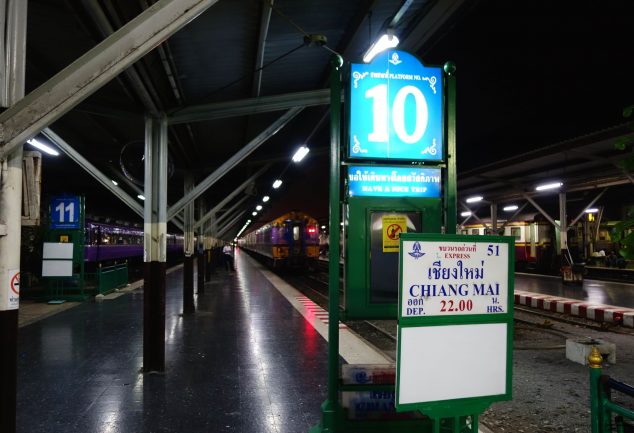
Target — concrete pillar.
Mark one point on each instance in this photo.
(200, 249)
(155, 248)
(188, 245)
(12, 56)
(563, 224)
(494, 218)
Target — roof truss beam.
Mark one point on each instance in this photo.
(97, 67)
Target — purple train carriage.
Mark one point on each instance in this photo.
(108, 242)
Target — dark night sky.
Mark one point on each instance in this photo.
(530, 74)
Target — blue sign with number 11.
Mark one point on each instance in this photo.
(65, 212)
(396, 109)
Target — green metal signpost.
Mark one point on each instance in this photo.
(400, 178)
(63, 265)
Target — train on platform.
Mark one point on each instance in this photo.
(290, 241)
(112, 242)
(533, 240)
(537, 242)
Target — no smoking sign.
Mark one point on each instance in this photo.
(10, 295)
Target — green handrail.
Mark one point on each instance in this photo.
(602, 408)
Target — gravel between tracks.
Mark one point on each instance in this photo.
(550, 393)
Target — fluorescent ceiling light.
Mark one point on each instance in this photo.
(591, 210)
(277, 183)
(511, 208)
(258, 207)
(43, 147)
(385, 42)
(254, 213)
(300, 154)
(474, 199)
(265, 198)
(114, 182)
(465, 214)
(140, 196)
(546, 186)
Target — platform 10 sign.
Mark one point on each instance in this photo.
(396, 109)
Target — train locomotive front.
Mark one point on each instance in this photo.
(289, 241)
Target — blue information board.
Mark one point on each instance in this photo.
(382, 181)
(396, 109)
(65, 212)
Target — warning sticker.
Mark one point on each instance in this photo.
(393, 226)
(11, 296)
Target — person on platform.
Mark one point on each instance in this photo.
(227, 253)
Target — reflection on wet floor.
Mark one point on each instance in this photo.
(595, 291)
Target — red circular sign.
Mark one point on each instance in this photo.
(394, 231)
(15, 284)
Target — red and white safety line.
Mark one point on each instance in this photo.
(575, 307)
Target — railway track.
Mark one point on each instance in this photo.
(535, 329)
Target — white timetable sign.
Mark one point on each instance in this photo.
(444, 278)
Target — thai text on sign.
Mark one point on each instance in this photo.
(454, 278)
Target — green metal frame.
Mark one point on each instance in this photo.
(465, 406)
(70, 288)
(601, 405)
(333, 415)
(357, 263)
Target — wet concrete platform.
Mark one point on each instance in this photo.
(247, 361)
(593, 291)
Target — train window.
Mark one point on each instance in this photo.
(465, 232)
(295, 233)
(475, 231)
(516, 232)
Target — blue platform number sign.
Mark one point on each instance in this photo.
(396, 109)
(65, 212)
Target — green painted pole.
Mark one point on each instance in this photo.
(331, 405)
(450, 192)
(594, 360)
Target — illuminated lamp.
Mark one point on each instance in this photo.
(474, 199)
(300, 154)
(386, 41)
(43, 147)
(511, 208)
(546, 186)
(277, 183)
(465, 214)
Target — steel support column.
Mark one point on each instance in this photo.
(188, 246)
(450, 195)
(94, 69)
(13, 29)
(563, 223)
(494, 218)
(155, 248)
(200, 249)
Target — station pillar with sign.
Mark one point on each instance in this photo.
(399, 177)
(63, 249)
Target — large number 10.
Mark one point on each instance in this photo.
(71, 212)
(380, 104)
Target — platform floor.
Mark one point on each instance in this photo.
(247, 361)
(593, 291)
